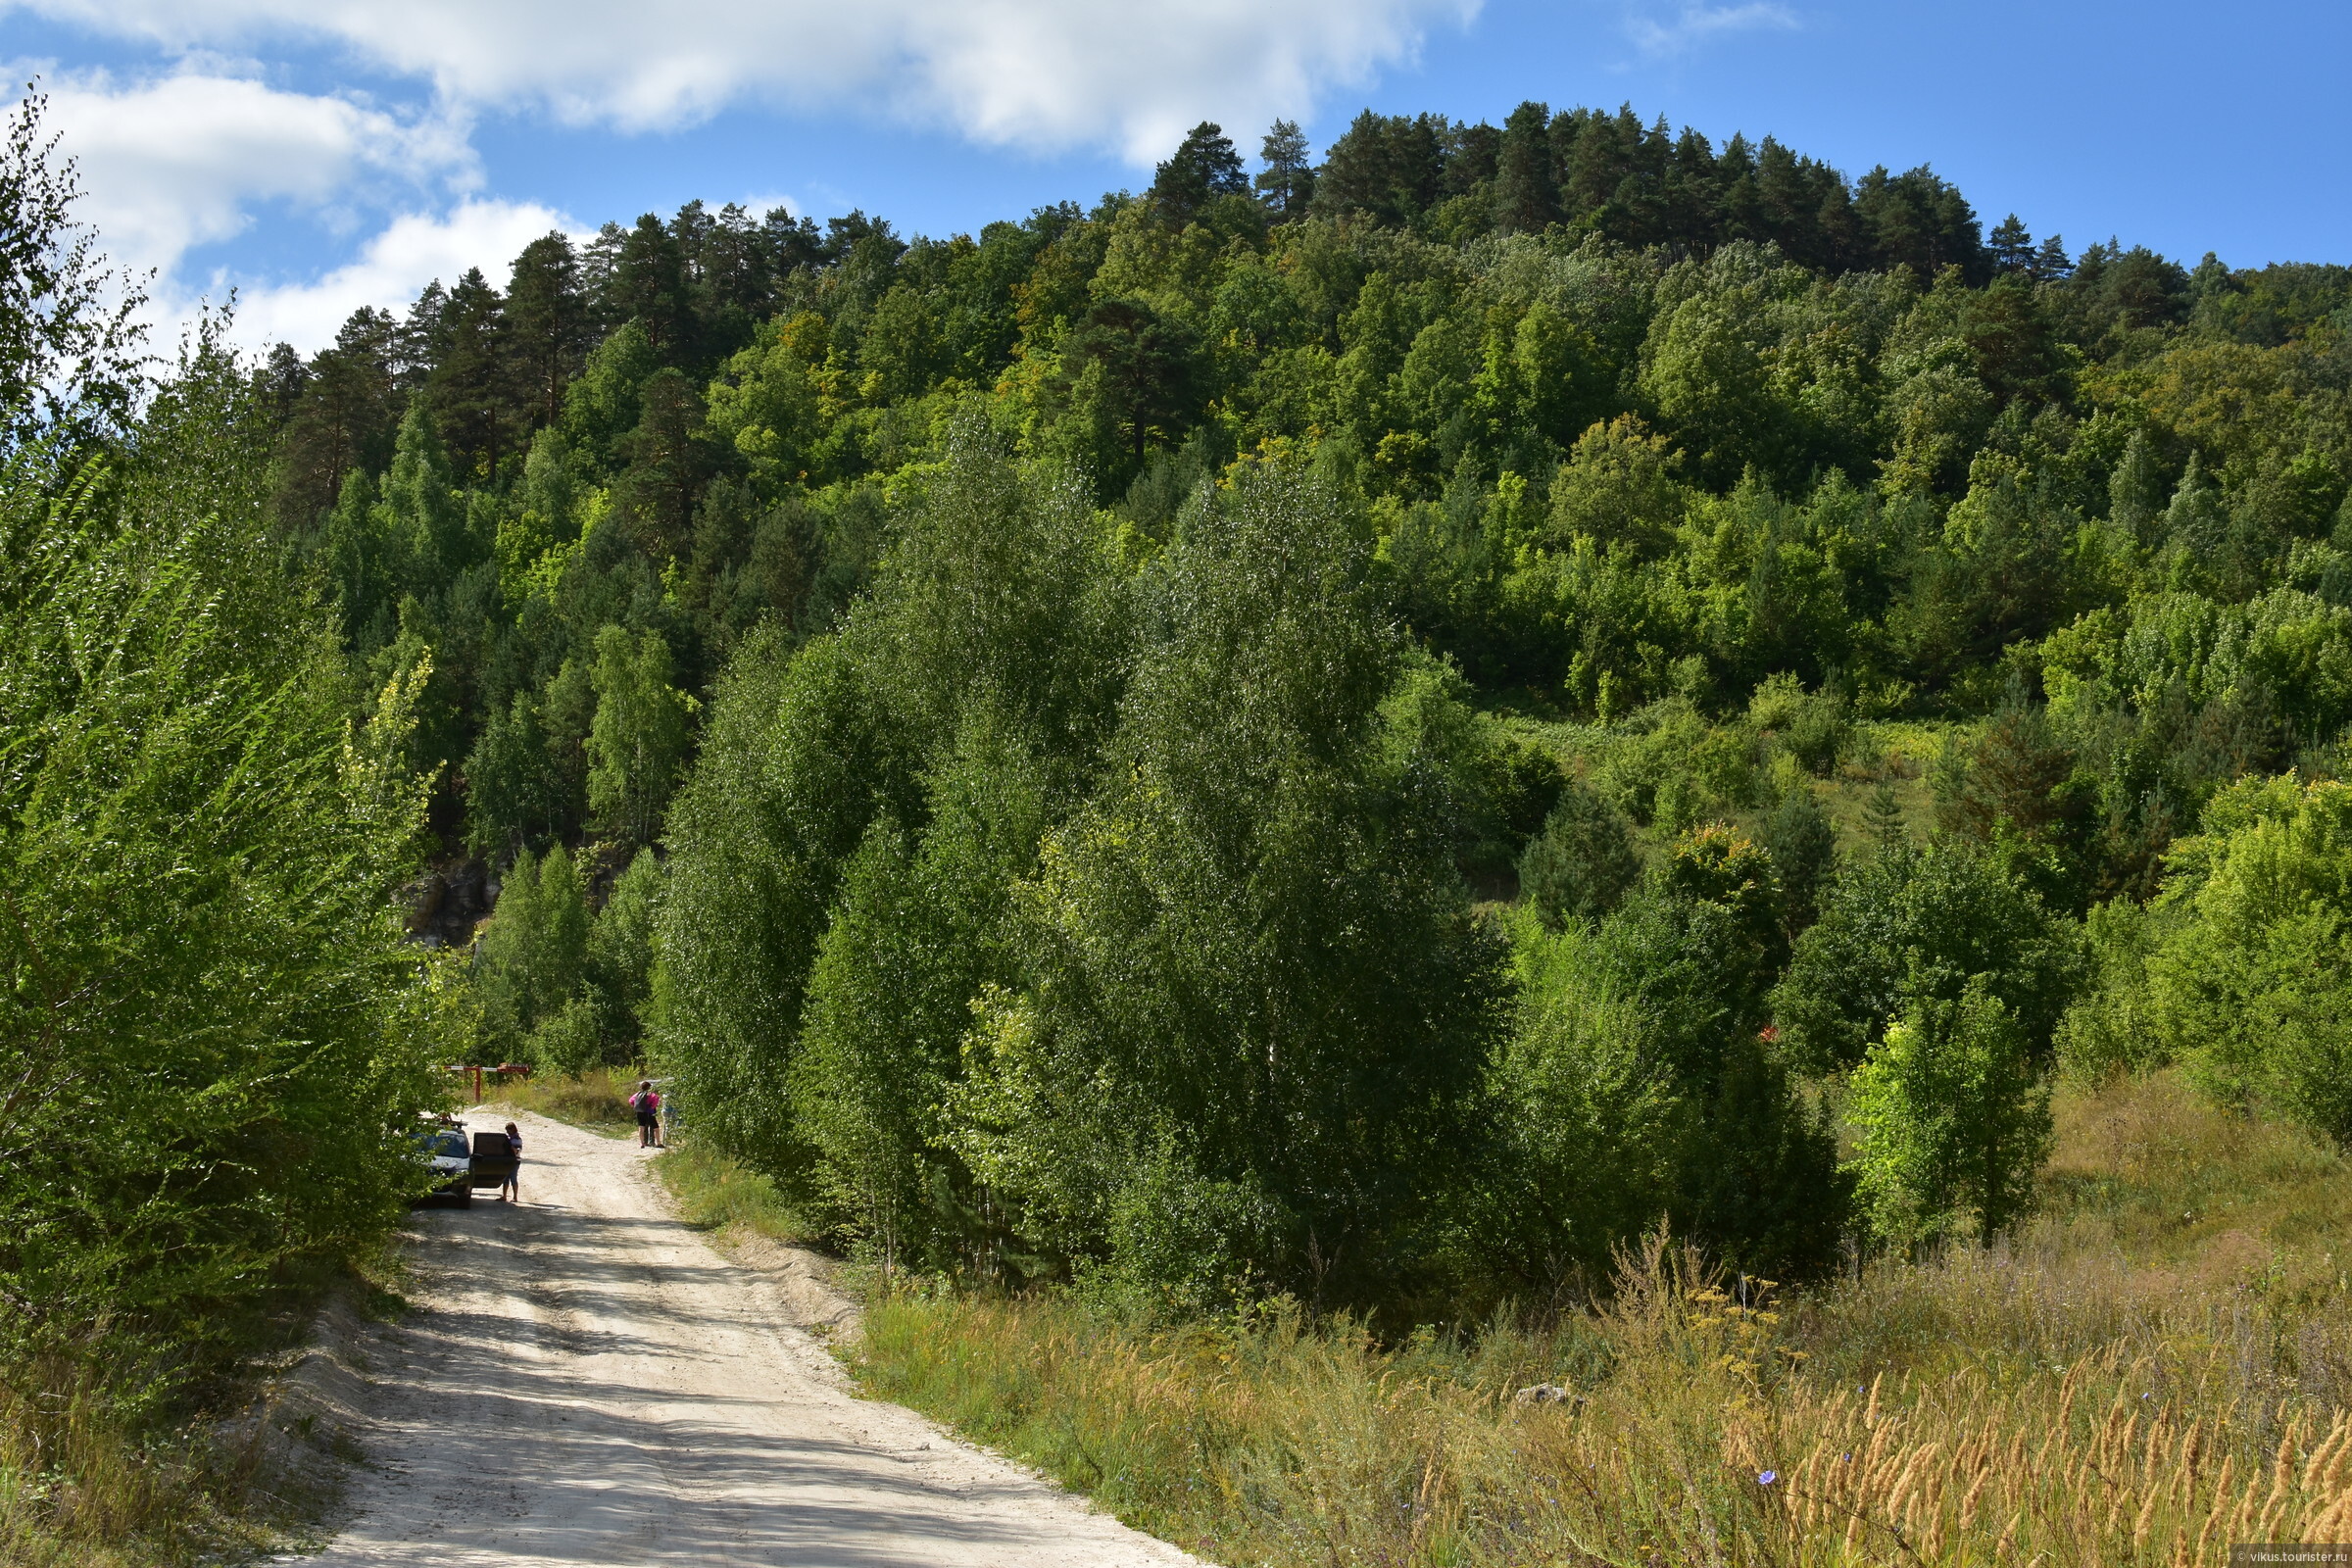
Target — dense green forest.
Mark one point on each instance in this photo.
(213, 1041)
(1369, 727)
(1366, 730)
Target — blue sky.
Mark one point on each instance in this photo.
(321, 154)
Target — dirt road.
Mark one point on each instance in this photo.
(585, 1381)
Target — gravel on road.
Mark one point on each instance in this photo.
(584, 1379)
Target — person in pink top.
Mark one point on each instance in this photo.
(647, 1103)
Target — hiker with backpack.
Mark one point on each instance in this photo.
(647, 1103)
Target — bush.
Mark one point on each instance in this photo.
(1949, 1118)
(2251, 989)
(1582, 863)
(1816, 730)
(2113, 1028)
(215, 1041)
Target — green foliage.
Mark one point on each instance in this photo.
(515, 782)
(1634, 1084)
(2111, 1028)
(1816, 729)
(791, 764)
(196, 854)
(637, 744)
(533, 953)
(2249, 988)
(1906, 925)
(70, 342)
(1503, 787)
(1802, 842)
(1582, 863)
(1257, 979)
(1950, 1122)
(621, 957)
(889, 998)
(1581, 1112)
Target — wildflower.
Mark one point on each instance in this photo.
(1765, 1477)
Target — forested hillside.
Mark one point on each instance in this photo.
(1340, 737)
(1371, 726)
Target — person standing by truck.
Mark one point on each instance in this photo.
(511, 1188)
(647, 1103)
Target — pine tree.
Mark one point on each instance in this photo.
(1204, 168)
(1882, 817)
(467, 391)
(547, 328)
(1288, 181)
(341, 424)
(648, 285)
(1527, 196)
(2050, 262)
(1582, 863)
(2011, 245)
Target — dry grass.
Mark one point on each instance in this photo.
(2162, 1364)
(109, 1460)
(596, 1099)
(76, 1488)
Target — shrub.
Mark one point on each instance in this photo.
(2251, 989)
(1582, 863)
(1949, 1118)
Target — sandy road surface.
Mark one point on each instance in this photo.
(587, 1382)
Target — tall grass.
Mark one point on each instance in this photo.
(2159, 1366)
(596, 1099)
(716, 1192)
(132, 1450)
(81, 1485)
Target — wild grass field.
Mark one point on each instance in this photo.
(2156, 1365)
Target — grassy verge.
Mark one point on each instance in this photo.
(2160, 1366)
(116, 1463)
(598, 1100)
(716, 1194)
(82, 1483)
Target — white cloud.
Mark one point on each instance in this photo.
(1693, 25)
(411, 252)
(1038, 73)
(177, 161)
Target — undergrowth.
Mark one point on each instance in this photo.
(123, 1459)
(2159, 1365)
(716, 1192)
(596, 1099)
